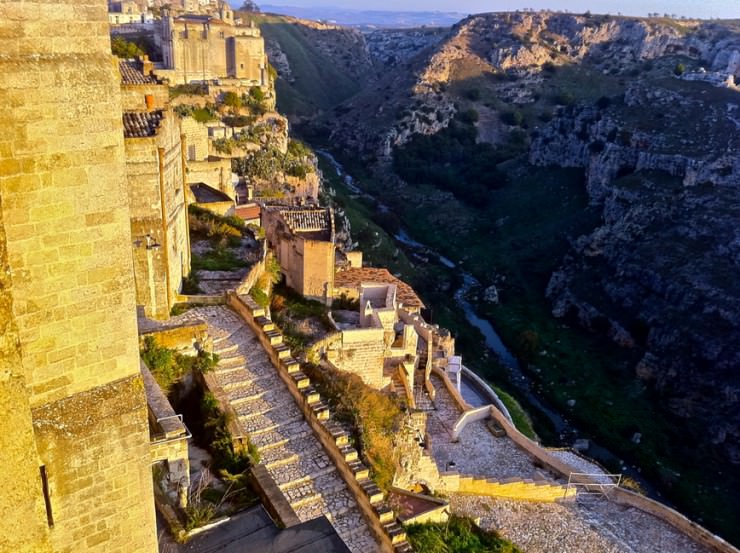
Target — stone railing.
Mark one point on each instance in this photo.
(333, 438)
(619, 495)
(254, 273)
(483, 386)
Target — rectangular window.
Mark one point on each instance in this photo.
(191, 152)
(47, 497)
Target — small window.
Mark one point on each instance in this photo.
(221, 34)
(191, 152)
(241, 65)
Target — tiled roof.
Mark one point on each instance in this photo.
(307, 220)
(141, 124)
(353, 278)
(248, 212)
(131, 73)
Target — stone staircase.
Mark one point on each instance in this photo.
(268, 414)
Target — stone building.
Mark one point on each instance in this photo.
(303, 239)
(155, 176)
(203, 166)
(74, 441)
(381, 343)
(207, 47)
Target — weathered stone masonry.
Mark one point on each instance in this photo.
(72, 384)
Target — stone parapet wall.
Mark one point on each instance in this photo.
(620, 495)
(248, 310)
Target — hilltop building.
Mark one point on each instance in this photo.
(202, 48)
(303, 239)
(74, 436)
(155, 177)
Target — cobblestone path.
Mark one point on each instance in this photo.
(288, 448)
(592, 525)
(478, 452)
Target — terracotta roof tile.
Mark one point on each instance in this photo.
(141, 124)
(132, 73)
(354, 277)
(248, 212)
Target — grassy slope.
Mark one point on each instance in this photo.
(319, 84)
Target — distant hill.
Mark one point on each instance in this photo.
(368, 18)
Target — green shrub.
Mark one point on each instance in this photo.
(124, 49)
(679, 70)
(512, 117)
(374, 417)
(457, 535)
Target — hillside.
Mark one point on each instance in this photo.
(586, 169)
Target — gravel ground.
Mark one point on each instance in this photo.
(593, 525)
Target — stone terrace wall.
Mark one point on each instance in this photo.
(361, 352)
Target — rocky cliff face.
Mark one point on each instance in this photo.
(661, 160)
(661, 272)
(419, 97)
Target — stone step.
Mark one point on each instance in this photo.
(347, 520)
(310, 394)
(311, 491)
(263, 406)
(360, 471)
(300, 379)
(225, 348)
(275, 438)
(231, 362)
(340, 435)
(384, 512)
(371, 490)
(245, 391)
(274, 337)
(291, 365)
(320, 410)
(300, 471)
(241, 377)
(349, 453)
(402, 547)
(275, 421)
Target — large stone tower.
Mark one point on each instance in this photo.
(73, 436)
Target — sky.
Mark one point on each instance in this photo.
(705, 9)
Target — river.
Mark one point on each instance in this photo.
(565, 430)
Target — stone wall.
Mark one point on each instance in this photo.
(23, 523)
(216, 173)
(154, 171)
(196, 140)
(133, 96)
(317, 270)
(361, 352)
(66, 218)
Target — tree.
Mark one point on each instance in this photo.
(124, 49)
(249, 6)
(232, 100)
(679, 69)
